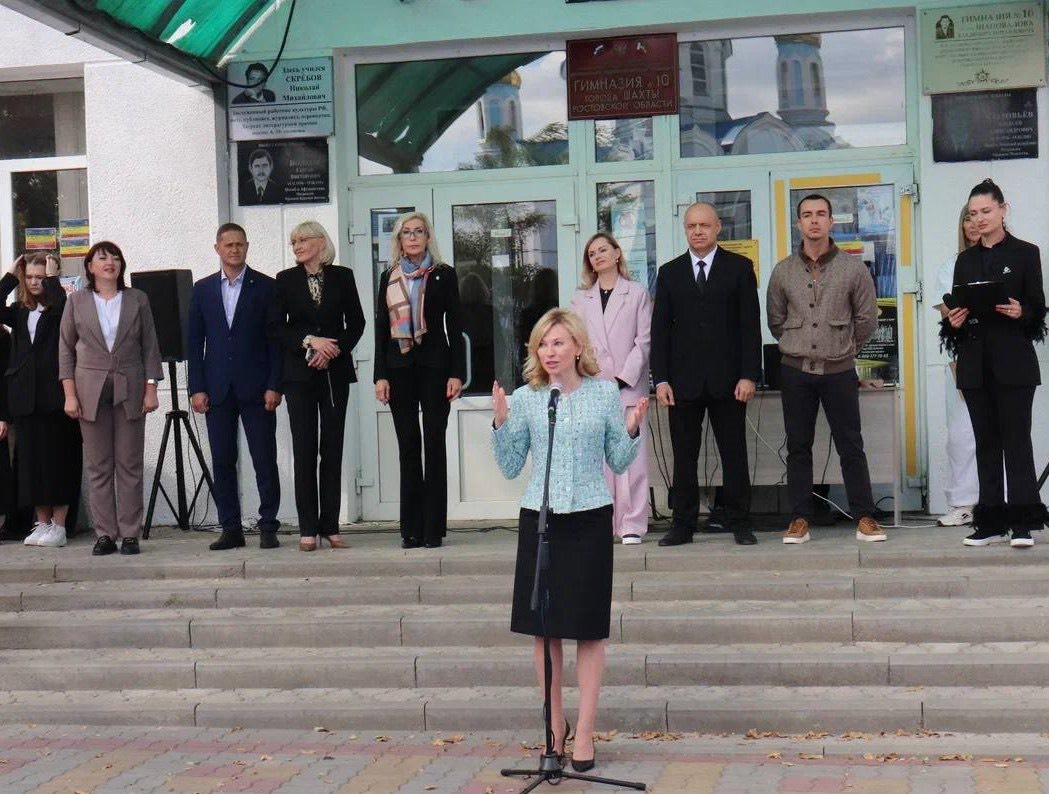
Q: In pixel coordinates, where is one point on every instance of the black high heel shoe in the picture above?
(584, 764)
(568, 735)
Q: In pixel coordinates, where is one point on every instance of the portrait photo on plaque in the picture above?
(282, 172)
(985, 125)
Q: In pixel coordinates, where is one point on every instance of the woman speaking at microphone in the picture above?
(589, 431)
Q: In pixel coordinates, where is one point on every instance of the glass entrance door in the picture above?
(513, 249)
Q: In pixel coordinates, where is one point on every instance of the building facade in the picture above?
(458, 109)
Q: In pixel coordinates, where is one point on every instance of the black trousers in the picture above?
(323, 398)
(802, 393)
(728, 419)
(1001, 417)
(424, 496)
(260, 428)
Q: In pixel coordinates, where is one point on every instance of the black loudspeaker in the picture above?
(770, 379)
(168, 293)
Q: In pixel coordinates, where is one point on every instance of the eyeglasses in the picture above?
(414, 233)
(296, 240)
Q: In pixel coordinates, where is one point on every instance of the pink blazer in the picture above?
(620, 335)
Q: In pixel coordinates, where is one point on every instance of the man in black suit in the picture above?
(706, 354)
(260, 187)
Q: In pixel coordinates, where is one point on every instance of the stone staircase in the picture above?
(916, 634)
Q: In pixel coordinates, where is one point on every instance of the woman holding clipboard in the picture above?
(998, 370)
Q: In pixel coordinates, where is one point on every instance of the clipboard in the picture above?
(980, 296)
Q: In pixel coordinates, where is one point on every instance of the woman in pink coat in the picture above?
(618, 316)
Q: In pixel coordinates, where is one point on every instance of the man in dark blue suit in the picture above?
(235, 372)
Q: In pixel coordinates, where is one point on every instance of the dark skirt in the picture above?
(580, 575)
(49, 452)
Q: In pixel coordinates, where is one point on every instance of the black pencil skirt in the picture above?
(580, 575)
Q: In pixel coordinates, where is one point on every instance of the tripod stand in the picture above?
(177, 419)
(550, 769)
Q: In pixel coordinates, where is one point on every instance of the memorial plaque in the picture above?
(988, 125)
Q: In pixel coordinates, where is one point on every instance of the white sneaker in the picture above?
(631, 540)
(39, 530)
(55, 536)
(957, 517)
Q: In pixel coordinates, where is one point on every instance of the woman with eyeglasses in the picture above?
(316, 317)
(420, 361)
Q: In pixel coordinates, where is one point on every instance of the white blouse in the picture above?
(109, 317)
(32, 320)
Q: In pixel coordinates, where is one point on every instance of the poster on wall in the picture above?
(980, 48)
(74, 236)
(989, 125)
(294, 101)
(282, 172)
(43, 238)
(623, 77)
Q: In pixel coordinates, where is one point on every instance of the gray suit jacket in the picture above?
(84, 358)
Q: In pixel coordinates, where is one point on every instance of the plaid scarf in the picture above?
(405, 301)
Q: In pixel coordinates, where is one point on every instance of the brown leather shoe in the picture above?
(797, 532)
(867, 529)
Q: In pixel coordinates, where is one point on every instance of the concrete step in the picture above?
(703, 709)
(486, 625)
(781, 587)
(812, 664)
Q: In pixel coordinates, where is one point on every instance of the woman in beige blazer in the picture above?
(618, 315)
(109, 365)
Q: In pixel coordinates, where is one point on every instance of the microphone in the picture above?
(555, 396)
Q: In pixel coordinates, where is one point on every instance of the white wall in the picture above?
(31, 51)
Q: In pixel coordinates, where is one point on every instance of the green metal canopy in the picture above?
(174, 33)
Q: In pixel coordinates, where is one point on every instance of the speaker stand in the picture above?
(178, 420)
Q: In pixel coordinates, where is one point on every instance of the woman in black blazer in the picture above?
(998, 371)
(316, 317)
(48, 442)
(420, 360)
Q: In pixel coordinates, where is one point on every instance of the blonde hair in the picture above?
(963, 241)
(395, 237)
(533, 372)
(589, 276)
(314, 229)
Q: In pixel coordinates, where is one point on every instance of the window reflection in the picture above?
(455, 114)
(733, 208)
(43, 200)
(382, 223)
(41, 118)
(628, 211)
(793, 92)
(506, 258)
(622, 140)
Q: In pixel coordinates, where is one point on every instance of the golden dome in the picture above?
(513, 79)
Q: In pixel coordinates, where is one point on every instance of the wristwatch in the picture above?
(151, 381)
(307, 340)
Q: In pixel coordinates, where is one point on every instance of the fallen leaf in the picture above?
(606, 736)
(431, 787)
(811, 756)
(956, 757)
(321, 729)
(381, 738)
(533, 745)
(775, 755)
(265, 757)
(754, 733)
(240, 763)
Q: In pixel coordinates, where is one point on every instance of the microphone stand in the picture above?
(550, 769)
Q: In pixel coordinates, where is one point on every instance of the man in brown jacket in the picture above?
(822, 307)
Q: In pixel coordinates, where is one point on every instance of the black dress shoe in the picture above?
(129, 546)
(103, 546)
(433, 543)
(411, 543)
(675, 538)
(232, 538)
(268, 540)
(584, 766)
(744, 537)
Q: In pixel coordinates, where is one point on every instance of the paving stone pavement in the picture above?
(91, 760)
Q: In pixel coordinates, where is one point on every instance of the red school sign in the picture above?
(623, 77)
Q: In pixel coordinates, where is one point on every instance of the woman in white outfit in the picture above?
(963, 485)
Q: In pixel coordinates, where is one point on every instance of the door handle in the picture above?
(469, 362)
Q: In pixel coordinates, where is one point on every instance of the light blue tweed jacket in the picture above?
(590, 430)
